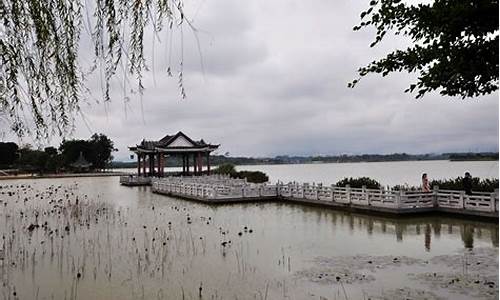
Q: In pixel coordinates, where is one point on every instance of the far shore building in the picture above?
(81, 164)
(152, 155)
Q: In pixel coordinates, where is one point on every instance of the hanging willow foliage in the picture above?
(41, 80)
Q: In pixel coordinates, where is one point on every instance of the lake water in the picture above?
(387, 173)
(90, 238)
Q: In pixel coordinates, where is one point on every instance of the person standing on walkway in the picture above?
(425, 183)
(467, 183)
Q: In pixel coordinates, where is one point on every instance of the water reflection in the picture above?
(467, 234)
(401, 228)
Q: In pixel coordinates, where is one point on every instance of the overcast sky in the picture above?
(274, 82)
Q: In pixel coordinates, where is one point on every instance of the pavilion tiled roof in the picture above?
(148, 145)
(166, 140)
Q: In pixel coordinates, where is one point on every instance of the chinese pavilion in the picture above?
(152, 154)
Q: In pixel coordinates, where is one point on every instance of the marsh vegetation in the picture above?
(91, 238)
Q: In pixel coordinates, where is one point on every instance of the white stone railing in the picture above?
(479, 201)
(458, 199)
(134, 180)
(206, 179)
(211, 187)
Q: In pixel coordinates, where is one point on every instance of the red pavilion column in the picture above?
(163, 164)
(153, 164)
(144, 165)
(208, 163)
(156, 170)
(138, 164)
(183, 164)
(195, 167)
(195, 164)
(200, 164)
(160, 164)
(150, 165)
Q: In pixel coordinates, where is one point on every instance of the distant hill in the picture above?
(284, 159)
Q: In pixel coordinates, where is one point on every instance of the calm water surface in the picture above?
(128, 243)
(387, 173)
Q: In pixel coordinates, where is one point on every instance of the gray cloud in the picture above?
(275, 82)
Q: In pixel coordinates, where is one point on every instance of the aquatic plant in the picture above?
(73, 241)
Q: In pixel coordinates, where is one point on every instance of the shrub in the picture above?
(359, 182)
(253, 176)
(478, 184)
(226, 169)
(406, 187)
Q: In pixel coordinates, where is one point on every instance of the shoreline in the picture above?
(343, 162)
(65, 175)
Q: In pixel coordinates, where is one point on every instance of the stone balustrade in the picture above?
(212, 187)
(222, 188)
(133, 180)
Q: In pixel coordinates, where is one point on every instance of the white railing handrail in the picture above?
(224, 187)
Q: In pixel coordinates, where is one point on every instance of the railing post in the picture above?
(399, 198)
(496, 200)
(435, 191)
(332, 190)
(492, 200)
(461, 203)
(365, 194)
(348, 193)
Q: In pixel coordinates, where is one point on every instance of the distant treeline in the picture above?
(221, 159)
(473, 156)
(71, 156)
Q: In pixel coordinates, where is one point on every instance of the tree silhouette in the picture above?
(455, 44)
